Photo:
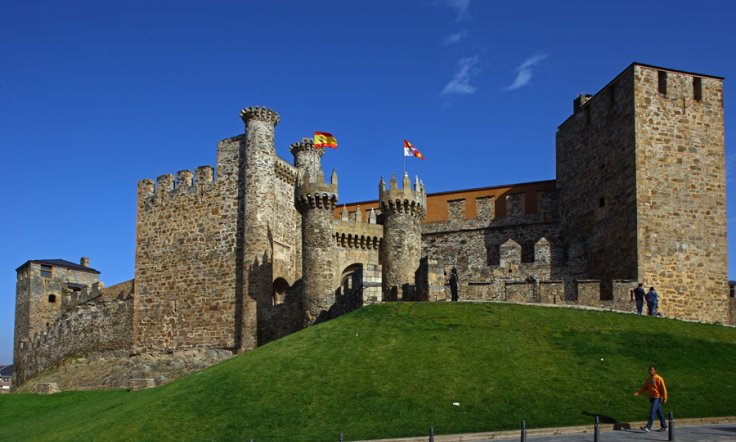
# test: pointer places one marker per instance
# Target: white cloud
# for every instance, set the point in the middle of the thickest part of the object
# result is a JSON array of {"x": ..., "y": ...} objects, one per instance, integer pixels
[
  {"x": 454, "y": 38},
  {"x": 460, "y": 83},
  {"x": 524, "y": 71},
  {"x": 460, "y": 7}
]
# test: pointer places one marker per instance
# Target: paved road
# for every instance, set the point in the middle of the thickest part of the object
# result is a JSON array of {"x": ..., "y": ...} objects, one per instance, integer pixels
[
  {"x": 694, "y": 433},
  {"x": 714, "y": 429}
]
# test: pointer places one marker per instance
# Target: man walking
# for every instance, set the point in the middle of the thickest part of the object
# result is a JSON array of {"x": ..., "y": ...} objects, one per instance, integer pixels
[
  {"x": 638, "y": 295},
  {"x": 654, "y": 385}
]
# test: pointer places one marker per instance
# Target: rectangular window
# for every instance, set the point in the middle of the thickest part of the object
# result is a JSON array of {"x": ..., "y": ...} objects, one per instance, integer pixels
[
  {"x": 697, "y": 88},
  {"x": 46, "y": 271},
  {"x": 662, "y": 82}
]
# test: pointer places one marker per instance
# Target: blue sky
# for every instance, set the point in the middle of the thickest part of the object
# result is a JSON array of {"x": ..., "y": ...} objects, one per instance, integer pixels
[{"x": 97, "y": 95}]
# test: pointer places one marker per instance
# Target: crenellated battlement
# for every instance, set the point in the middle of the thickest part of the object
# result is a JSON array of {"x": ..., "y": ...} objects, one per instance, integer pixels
[
  {"x": 358, "y": 233},
  {"x": 403, "y": 199},
  {"x": 316, "y": 194},
  {"x": 260, "y": 113},
  {"x": 185, "y": 182},
  {"x": 306, "y": 145},
  {"x": 285, "y": 171},
  {"x": 357, "y": 216}
]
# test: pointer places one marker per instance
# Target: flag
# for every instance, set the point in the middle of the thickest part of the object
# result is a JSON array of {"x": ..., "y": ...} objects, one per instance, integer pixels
[
  {"x": 324, "y": 139},
  {"x": 411, "y": 151}
]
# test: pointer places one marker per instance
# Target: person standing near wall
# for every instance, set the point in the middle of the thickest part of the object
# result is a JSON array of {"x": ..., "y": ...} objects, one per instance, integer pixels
[
  {"x": 637, "y": 295},
  {"x": 657, "y": 390},
  {"x": 652, "y": 299},
  {"x": 453, "y": 285}
]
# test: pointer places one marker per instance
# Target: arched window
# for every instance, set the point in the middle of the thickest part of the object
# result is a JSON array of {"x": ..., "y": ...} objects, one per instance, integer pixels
[{"x": 52, "y": 299}]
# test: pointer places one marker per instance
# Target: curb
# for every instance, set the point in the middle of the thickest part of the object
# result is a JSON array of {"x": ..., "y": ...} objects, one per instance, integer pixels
[{"x": 553, "y": 431}]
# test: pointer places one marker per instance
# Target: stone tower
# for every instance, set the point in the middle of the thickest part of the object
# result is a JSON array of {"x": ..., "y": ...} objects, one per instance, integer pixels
[
  {"x": 259, "y": 213},
  {"x": 403, "y": 210},
  {"x": 641, "y": 174},
  {"x": 316, "y": 200},
  {"x": 42, "y": 288}
]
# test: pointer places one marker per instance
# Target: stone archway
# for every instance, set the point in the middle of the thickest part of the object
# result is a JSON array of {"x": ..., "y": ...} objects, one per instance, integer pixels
[
  {"x": 280, "y": 286},
  {"x": 351, "y": 278}
]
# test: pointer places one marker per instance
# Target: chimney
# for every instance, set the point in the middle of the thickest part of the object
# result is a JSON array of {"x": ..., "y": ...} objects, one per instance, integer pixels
[{"x": 84, "y": 261}]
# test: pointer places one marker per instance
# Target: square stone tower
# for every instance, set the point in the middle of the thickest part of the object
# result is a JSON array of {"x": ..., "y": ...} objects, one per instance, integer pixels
[
  {"x": 641, "y": 175},
  {"x": 40, "y": 286}
]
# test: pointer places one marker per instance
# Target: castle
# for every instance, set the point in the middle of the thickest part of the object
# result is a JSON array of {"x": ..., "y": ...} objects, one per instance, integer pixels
[{"x": 264, "y": 249}]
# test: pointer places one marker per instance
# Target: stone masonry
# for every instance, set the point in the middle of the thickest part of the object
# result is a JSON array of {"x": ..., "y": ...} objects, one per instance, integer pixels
[
  {"x": 234, "y": 256},
  {"x": 44, "y": 290},
  {"x": 641, "y": 173},
  {"x": 403, "y": 209},
  {"x": 316, "y": 201}
]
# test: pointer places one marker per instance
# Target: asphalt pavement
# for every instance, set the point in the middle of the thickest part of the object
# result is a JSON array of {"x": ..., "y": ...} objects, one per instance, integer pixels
[
  {"x": 694, "y": 433},
  {"x": 715, "y": 429}
]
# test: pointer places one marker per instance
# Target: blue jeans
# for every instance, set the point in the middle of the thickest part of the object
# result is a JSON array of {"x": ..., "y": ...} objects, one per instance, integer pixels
[
  {"x": 650, "y": 308},
  {"x": 656, "y": 409},
  {"x": 639, "y": 305}
]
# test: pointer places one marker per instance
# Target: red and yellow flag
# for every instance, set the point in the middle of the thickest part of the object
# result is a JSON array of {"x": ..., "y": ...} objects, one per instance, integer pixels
[
  {"x": 411, "y": 151},
  {"x": 324, "y": 139}
]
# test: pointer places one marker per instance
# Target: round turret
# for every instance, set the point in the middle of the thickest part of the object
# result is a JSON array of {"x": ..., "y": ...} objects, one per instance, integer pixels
[
  {"x": 259, "y": 181},
  {"x": 307, "y": 158},
  {"x": 403, "y": 210},
  {"x": 259, "y": 113},
  {"x": 316, "y": 200}
]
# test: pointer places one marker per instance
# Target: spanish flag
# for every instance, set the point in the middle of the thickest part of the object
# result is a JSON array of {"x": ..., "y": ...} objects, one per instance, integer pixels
[
  {"x": 411, "y": 151},
  {"x": 324, "y": 139}
]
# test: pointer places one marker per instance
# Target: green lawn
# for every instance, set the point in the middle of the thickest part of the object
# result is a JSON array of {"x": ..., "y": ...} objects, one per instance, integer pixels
[{"x": 393, "y": 370}]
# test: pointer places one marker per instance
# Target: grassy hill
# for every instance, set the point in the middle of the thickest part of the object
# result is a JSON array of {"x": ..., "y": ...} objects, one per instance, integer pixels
[{"x": 395, "y": 369}]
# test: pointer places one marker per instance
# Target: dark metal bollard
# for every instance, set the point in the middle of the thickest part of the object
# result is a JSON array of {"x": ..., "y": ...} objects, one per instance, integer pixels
[
  {"x": 596, "y": 431},
  {"x": 431, "y": 434},
  {"x": 339, "y": 438},
  {"x": 523, "y": 430},
  {"x": 671, "y": 427}
]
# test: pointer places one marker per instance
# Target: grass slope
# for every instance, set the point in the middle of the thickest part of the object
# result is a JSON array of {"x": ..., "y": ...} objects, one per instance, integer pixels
[{"x": 395, "y": 369}]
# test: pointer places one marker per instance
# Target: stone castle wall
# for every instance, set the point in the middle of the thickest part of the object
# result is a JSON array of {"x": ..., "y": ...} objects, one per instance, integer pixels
[
  {"x": 100, "y": 327},
  {"x": 357, "y": 242},
  {"x": 287, "y": 225},
  {"x": 23, "y": 327},
  {"x": 503, "y": 240},
  {"x": 596, "y": 175},
  {"x": 121, "y": 290},
  {"x": 681, "y": 192},
  {"x": 187, "y": 256}
]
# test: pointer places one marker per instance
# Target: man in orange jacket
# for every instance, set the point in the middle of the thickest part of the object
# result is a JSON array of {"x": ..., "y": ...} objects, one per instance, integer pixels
[{"x": 654, "y": 385}]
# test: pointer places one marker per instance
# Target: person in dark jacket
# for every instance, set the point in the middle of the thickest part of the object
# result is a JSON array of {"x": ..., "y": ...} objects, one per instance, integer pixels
[
  {"x": 637, "y": 295},
  {"x": 453, "y": 284}
]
